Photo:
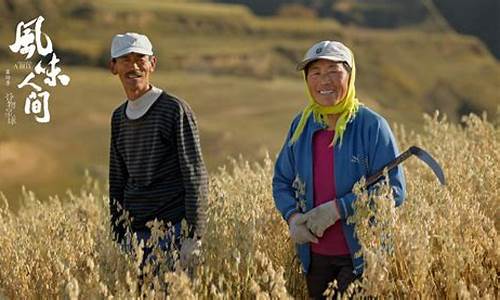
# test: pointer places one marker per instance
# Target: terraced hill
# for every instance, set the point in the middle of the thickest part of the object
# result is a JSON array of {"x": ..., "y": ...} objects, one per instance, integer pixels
[{"x": 237, "y": 71}]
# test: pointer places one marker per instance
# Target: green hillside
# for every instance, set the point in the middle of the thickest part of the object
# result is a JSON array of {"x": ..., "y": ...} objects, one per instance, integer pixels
[{"x": 234, "y": 68}]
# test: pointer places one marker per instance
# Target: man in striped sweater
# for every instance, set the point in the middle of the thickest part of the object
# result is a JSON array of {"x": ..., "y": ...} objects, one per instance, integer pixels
[{"x": 156, "y": 168}]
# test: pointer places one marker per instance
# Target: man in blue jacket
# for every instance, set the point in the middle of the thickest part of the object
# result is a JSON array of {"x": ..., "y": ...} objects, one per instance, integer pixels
[{"x": 332, "y": 144}]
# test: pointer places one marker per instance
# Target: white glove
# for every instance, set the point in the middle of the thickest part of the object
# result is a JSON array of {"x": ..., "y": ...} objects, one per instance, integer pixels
[
  {"x": 190, "y": 252},
  {"x": 299, "y": 233},
  {"x": 321, "y": 217}
]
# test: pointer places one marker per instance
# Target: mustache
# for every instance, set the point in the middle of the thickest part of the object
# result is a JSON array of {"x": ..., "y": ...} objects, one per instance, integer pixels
[{"x": 135, "y": 72}]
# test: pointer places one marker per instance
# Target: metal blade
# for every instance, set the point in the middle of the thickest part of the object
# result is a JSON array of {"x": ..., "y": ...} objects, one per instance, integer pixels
[
  {"x": 390, "y": 165},
  {"x": 425, "y": 157},
  {"x": 413, "y": 150}
]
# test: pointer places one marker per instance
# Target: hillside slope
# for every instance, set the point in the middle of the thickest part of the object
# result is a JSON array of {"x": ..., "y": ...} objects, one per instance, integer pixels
[{"x": 237, "y": 71}]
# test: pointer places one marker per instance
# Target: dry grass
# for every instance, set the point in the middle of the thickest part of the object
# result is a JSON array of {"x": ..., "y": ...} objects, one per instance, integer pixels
[{"x": 442, "y": 243}]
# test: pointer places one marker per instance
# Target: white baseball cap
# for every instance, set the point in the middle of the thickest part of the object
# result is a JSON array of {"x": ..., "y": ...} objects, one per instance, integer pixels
[
  {"x": 130, "y": 42},
  {"x": 331, "y": 50}
]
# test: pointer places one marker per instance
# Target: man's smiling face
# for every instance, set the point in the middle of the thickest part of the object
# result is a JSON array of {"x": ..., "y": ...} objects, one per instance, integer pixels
[{"x": 134, "y": 70}]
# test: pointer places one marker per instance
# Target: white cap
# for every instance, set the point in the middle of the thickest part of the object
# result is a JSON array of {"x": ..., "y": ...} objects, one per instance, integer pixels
[
  {"x": 130, "y": 42},
  {"x": 330, "y": 50}
]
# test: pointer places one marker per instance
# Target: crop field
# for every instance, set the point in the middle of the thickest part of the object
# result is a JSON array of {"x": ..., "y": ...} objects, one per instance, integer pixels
[{"x": 443, "y": 240}]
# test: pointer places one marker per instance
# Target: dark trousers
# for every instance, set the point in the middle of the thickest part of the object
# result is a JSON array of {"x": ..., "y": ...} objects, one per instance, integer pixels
[
  {"x": 167, "y": 243},
  {"x": 324, "y": 269}
]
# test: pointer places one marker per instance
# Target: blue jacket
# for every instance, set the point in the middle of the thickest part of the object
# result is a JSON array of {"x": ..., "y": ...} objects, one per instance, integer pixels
[{"x": 367, "y": 145}]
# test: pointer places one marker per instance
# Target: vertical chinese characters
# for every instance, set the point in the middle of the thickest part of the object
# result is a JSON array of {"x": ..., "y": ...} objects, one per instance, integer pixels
[
  {"x": 10, "y": 106},
  {"x": 7, "y": 77},
  {"x": 10, "y": 102},
  {"x": 28, "y": 40}
]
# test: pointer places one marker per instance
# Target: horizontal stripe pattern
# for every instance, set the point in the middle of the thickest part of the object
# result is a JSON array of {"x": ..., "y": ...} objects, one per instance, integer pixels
[{"x": 156, "y": 167}]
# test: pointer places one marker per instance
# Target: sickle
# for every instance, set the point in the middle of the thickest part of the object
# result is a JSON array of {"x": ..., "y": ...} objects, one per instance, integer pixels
[{"x": 413, "y": 150}]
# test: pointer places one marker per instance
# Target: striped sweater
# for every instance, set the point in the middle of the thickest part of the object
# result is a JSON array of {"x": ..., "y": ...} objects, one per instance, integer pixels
[{"x": 156, "y": 168}]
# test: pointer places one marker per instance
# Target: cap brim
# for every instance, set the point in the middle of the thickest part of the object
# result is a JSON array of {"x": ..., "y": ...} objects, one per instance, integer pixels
[
  {"x": 131, "y": 50},
  {"x": 303, "y": 64}
]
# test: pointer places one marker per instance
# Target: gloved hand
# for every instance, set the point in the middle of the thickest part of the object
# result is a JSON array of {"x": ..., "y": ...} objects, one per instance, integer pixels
[
  {"x": 299, "y": 233},
  {"x": 190, "y": 252},
  {"x": 321, "y": 217}
]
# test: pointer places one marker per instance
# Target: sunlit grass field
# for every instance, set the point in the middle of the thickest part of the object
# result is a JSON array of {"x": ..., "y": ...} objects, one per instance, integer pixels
[{"x": 441, "y": 243}]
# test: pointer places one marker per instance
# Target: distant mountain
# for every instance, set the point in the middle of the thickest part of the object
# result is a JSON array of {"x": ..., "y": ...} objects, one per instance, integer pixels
[
  {"x": 238, "y": 71},
  {"x": 480, "y": 17},
  {"x": 408, "y": 53}
]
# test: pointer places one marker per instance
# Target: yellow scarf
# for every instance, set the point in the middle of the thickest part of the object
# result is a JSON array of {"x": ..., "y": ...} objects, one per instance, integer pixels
[{"x": 347, "y": 108}]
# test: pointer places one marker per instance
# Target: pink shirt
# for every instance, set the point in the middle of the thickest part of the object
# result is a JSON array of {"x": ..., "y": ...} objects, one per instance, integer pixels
[{"x": 333, "y": 241}]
